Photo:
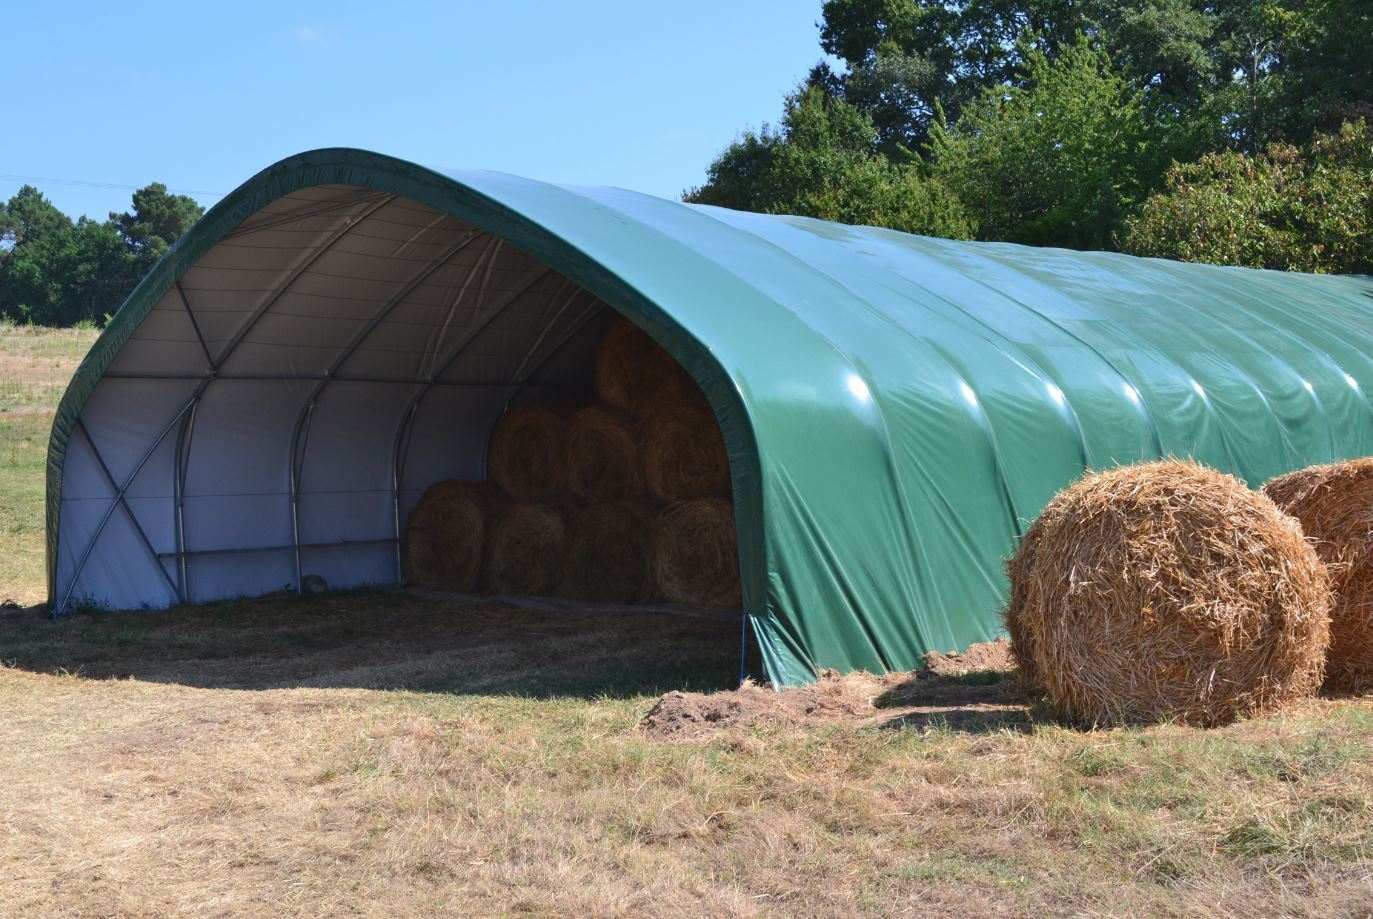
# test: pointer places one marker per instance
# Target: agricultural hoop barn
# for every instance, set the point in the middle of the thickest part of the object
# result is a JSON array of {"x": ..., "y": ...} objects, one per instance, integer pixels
[{"x": 345, "y": 329}]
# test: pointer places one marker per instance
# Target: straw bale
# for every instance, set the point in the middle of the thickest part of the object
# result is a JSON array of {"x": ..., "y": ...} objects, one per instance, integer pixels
[
  {"x": 525, "y": 551},
  {"x": 634, "y": 372},
  {"x": 696, "y": 553},
  {"x": 1168, "y": 590},
  {"x": 1334, "y": 504},
  {"x": 603, "y": 455},
  {"x": 527, "y": 456},
  {"x": 445, "y": 537},
  {"x": 609, "y": 555},
  {"x": 684, "y": 453}
]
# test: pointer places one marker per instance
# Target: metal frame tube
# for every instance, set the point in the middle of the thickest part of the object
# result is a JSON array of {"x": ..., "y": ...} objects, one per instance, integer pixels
[{"x": 183, "y": 463}]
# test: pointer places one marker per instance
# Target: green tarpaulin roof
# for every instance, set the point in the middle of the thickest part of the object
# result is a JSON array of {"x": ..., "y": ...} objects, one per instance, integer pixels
[{"x": 897, "y": 408}]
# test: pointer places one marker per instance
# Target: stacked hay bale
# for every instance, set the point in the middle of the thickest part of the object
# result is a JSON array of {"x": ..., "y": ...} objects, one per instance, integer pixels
[
  {"x": 1167, "y": 591},
  {"x": 445, "y": 540},
  {"x": 624, "y": 499},
  {"x": 1334, "y": 504}
]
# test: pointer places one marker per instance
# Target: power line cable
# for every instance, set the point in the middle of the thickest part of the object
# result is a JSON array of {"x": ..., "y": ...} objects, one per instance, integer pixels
[{"x": 83, "y": 183}]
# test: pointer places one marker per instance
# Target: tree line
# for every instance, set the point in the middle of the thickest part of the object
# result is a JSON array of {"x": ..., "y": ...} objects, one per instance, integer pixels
[
  {"x": 56, "y": 271},
  {"x": 1230, "y": 132}
]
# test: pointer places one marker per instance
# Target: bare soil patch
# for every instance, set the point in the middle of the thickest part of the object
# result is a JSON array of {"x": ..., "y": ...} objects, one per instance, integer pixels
[
  {"x": 969, "y": 690},
  {"x": 986, "y": 656}
]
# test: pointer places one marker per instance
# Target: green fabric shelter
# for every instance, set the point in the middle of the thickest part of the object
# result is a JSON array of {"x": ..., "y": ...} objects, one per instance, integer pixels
[{"x": 345, "y": 328}]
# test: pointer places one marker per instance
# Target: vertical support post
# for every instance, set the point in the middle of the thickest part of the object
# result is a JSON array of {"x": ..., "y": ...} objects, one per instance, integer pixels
[
  {"x": 297, "y": 457},
  {"x": 743, "y": 647},
  {"x": 183, "y": 446},
  {"x": 399, "y": 454}
]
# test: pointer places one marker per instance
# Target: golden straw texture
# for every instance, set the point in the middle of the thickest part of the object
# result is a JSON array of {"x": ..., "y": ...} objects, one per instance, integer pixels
[
  {"x": 634, "y": 373},
  {"x": 609, "y": 554},
  {"x": 696, "y": 553},
  {"x": 528, "y": 451},
  {"x": 525, "y": 550},
  {"x": 603, "y": 455},
  {"x": 445, "y": 537},
  {"x": 684, "y": 453},
  {"x": 1334, "y": 504}
]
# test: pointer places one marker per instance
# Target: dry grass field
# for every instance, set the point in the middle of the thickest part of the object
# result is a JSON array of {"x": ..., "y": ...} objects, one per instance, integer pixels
[{"x": 386, "y": 754}]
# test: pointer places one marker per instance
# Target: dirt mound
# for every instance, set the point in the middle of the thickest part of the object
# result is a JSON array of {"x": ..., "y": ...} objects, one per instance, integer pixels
[
  {"x": 686, "y": 715},
  {"x": 936, "y": 694},
  {"x": 991, "y": 655}
]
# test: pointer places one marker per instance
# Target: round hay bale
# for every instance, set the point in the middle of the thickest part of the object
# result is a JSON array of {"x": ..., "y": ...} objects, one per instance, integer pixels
[
  {"x": 1334, "y": 505},
  {"x": 527, "y": 457},
  {"x": 696, "y": 553},
  {"x": 445, "y": 537},
  {"x": 1020, "y": 569},
  {"x": 634, "y": 372},
  {"x": 602, "y": 455},
  {"x": 1168, "y": 591},
  {"x": 684, "y": 453},
  {"x": 609, "y": 556},
  {"x": 525, "y": 551}
]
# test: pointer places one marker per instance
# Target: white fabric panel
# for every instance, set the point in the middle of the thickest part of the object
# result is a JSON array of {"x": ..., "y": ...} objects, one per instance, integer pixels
[
  {"x": 352, "y": 498},
  {"x": 356, "y": 421},
  {"x": 223, "y": 302},
  {"x": 165, "y": 343},
  {"x": 124, "y": 417},
  {"x": 354, "y": 515},
  {"x": 450, "y": 433},
  {"x": 86, "y": 495},
  {"x": 226, "y": 292},
  {"x": 120, "y": 573},
  {"x": 82, "y": 479},
  {"x": 353, "y": 566},
  {"x": 157, "y": 517},
  {"x": 238, "y": 473},
  {"x": 247, "y": 574}
]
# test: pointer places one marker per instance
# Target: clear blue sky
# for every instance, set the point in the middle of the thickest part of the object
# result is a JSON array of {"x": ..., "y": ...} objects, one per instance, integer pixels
[{"x": 201, "y": 96}]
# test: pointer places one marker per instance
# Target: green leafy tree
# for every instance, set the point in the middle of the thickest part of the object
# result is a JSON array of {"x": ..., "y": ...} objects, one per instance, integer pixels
[
  {"x": 79, "y": 273},
  {"x": 157, "y": 220},
  {"x": 1308, "y": 209},
  {"x": 1058, "y": 160},
  {"x": 1328, "y": 74},
  {"x": 905, "y": 59},
  {"x": 823, "y": 162}
]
